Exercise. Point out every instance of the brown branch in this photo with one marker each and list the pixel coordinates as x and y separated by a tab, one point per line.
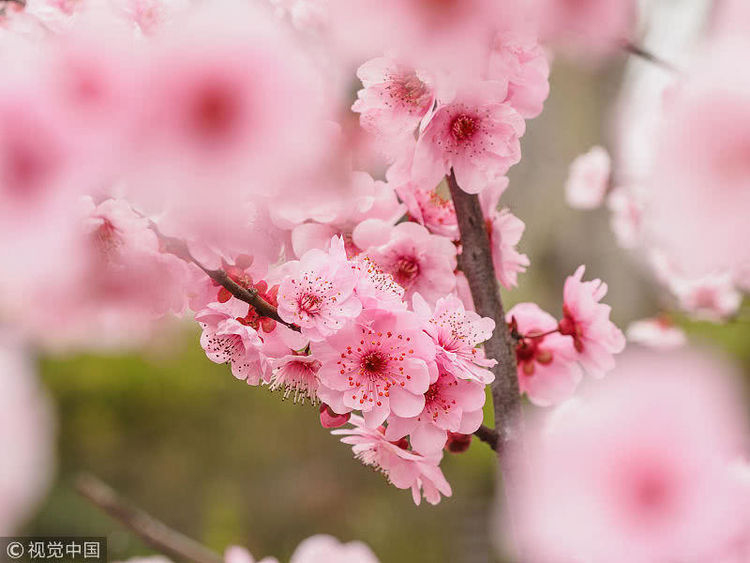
179	248
476	263
151	531
648	56
487	435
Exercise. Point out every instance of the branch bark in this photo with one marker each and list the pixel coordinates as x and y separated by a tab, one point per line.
150	530
476	263
487	435
648	56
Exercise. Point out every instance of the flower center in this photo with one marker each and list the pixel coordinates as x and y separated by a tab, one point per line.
409	90
309	303
373	363
214	112
407	268
463	127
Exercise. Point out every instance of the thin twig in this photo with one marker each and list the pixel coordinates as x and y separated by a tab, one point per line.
153	532
476	263
487	435
179	248
648	56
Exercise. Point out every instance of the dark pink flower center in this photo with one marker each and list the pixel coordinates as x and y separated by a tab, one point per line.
309	303
529	353
407	268
214	112
463	127
373	363
409	90
569	327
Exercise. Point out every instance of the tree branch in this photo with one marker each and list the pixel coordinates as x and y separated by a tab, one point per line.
476	263
487	435
179	248
151	531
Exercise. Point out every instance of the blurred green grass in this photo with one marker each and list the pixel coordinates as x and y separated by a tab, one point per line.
227	464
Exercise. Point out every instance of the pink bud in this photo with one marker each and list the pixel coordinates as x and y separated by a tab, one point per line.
458	443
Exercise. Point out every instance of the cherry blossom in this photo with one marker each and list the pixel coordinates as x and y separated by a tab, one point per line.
626	206
395	98
451	405
456	333
404	469
315	549
297	375
505	231
631	465
381	363
317	292
476	135
547	369
418	261
517	57
586	320
26	436
587	29
711	297
588	179
657	332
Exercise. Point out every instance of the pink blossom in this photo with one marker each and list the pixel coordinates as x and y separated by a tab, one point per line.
317	292
234	333
700	185
376	289
586	28
711	297
419	261
477	135
630	473
404	469
456	333
657	332
547	369
395	98
626	206
517	57
588	179
505	231
327	549
430	206
297	375
26	437
586	320
451	405
379	364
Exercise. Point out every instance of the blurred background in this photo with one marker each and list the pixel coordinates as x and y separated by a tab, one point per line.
230	464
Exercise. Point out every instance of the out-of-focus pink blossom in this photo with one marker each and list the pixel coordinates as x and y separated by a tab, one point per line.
418	261
586	28
701	182
588	179
317	292
26	438
547	368
379	364
476	135
322	548
586	320
657	332
626	206
395	98
517	57
457	333
451	405
712	297
315	549
403	468
505	231
630	473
